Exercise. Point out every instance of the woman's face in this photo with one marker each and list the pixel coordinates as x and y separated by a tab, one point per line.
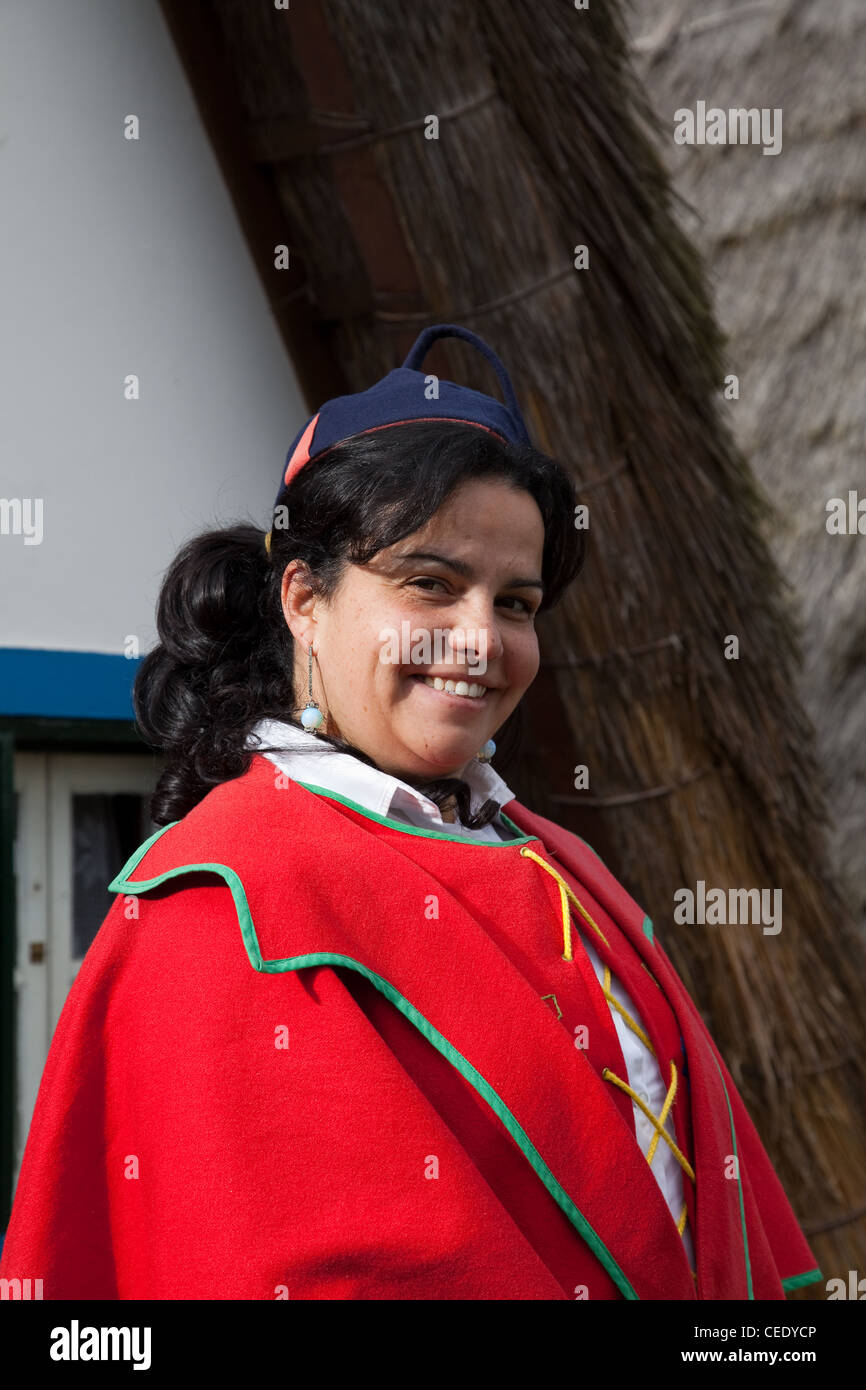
483	589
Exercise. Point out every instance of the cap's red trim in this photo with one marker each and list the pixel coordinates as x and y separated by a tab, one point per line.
302	451
296	462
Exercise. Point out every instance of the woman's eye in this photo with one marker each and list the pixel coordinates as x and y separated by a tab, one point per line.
508	598
527	606
427	580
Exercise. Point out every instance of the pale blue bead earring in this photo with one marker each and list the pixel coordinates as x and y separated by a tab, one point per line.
486	753
311	716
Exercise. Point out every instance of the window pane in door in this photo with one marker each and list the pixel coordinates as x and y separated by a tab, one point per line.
106	829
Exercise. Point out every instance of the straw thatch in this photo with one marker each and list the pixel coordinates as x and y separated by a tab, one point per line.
701	767
784	238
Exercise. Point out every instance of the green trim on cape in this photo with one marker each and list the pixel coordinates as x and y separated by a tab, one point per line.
739	1183
365	811
123	884
796	1281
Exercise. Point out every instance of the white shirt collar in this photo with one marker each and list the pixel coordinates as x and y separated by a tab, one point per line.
302	759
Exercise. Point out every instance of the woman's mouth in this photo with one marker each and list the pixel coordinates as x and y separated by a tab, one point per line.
458	692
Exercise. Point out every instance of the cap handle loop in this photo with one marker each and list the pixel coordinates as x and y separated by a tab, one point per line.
428	336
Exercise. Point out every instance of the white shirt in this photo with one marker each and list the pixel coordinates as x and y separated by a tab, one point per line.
305	760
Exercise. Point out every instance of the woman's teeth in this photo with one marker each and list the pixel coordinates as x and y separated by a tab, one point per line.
455	687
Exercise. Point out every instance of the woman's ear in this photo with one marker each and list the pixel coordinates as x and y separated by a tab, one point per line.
298	602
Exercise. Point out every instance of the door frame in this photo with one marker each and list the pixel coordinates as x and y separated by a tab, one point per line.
69	774
34	734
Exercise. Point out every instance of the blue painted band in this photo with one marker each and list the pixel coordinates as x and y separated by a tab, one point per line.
66	685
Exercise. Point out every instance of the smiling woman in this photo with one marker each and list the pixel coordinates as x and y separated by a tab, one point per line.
323	1061
486	534
439	525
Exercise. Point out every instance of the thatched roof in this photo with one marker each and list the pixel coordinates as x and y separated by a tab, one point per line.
784	239
701	767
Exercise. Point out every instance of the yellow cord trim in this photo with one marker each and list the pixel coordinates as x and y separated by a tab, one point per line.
615	1004
658	1121
565	893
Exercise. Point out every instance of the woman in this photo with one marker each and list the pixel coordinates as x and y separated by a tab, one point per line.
359	1025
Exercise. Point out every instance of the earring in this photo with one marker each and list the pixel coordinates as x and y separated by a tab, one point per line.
486	753
311	716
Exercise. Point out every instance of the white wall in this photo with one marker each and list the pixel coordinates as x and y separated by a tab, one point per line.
120	257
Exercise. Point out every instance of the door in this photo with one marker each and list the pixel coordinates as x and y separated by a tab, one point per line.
79	818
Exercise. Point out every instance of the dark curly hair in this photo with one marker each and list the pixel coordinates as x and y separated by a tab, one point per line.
225	657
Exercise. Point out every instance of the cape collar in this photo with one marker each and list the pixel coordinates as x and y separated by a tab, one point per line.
309	760
344	879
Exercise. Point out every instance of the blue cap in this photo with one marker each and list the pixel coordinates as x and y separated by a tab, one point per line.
401	397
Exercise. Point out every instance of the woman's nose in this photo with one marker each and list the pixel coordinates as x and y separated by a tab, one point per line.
476	637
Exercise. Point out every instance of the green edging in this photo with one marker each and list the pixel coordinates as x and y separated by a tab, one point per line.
648	930
365	811
123	884
739	1183
796	1281
485	1090
135	859
588	846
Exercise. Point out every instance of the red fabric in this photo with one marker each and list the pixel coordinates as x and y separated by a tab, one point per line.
302	452
176	1152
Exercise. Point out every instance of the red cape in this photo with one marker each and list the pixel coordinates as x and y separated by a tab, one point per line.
274	1076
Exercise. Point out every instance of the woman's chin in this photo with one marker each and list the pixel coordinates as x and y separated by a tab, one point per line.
444	757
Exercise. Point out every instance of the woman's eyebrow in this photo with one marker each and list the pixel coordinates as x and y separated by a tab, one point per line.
463	568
